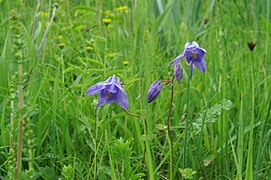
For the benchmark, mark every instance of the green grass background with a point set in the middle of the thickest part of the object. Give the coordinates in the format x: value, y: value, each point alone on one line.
x: 220, y: 122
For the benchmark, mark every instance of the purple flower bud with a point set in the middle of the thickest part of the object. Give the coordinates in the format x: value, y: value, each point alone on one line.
x: 178, y: 72
x: 154, y: 90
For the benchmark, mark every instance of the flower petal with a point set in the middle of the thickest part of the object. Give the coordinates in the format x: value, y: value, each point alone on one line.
x: 102, y: 99
x: 177, y: 59
x: 203, y: 50
x: 112, y: 88
x: 187, y: 45
x: 96, y: 88
x: 110, y: 79
x: 195, y: 44
x: 120, y: 88
x: 106, y: 98
x: 122, y: 100
x: 201, y: 65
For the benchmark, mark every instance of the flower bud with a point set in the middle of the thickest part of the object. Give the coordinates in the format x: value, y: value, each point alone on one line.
x: 251, y: 45
x: 178, y: 72
x: 106, y: 21
x: 154, y: 90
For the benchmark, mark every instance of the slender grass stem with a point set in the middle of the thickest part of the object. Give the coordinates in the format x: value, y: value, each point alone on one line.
x: 47, y: 30
x: 168, y: 132
x: 35, y: 19
x: 249, y: 166
x: 42, y: 43
x: 147, y: 153
x: 186, y: 125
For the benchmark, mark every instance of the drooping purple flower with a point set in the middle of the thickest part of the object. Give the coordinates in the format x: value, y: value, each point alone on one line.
x: 178, y: 72
x: 154, y: 90
x: 194, y: 57
x: 110, y: 91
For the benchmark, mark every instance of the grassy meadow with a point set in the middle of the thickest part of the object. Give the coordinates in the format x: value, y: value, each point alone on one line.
x: 219, y: 125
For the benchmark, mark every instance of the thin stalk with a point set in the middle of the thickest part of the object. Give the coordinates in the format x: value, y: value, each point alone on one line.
x: 249, y: 166
x: 42, y: 43
x: 11, y: 120
x: 168, y: 132
x: 130, y: 114
x: 240, y: 146
x: 147, y: 153
x: 35, y: 19
x: 47, y: 30
x: 96, y: 145
x: 20, y: 111
x: 186, y: 125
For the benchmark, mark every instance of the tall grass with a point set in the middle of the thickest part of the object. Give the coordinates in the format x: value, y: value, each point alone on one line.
x: 220, y: 121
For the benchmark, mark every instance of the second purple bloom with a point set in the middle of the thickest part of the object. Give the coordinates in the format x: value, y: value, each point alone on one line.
x: 194, y: 56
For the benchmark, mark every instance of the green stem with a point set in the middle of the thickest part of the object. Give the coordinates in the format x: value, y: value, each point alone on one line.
x: 186, y: 126
x: 36, y: 18
x: 147, y: 153
x: 20, y: 109
x: 47, y: 30
x: 41, y: 44
x: 249, y: 166
x: 12, y: 109
x: 130, y: 114
x: 168, y: 132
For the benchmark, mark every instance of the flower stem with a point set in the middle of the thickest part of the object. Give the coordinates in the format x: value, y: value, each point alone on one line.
x: 130, y: 114
x: 147, y: 153
x: 168, y: 132
x: 47, y: 30
x: 42, y: 42
x: 12, y: 110
x: 187, y: 125
x: 20, y: 110
x: 36, y: 18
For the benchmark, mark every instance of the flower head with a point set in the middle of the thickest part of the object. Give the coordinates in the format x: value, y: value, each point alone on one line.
x: 154, y: 90
x: 122, y: 9
x: 251, y: 45
x: 107, y: 21
x: 110, y: 91
x: 194, y: 57
x: 178, y: 72
x: 61, y: 45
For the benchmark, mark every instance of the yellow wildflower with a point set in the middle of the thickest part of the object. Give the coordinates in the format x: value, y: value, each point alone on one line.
x: 59, y: 37
x: 107, y: 21
x: 123, y: 9
x: 109, y: 13
x: 125, y: 63
x: 43, y: 14
x: 89, y: 48
x: 61, y: 45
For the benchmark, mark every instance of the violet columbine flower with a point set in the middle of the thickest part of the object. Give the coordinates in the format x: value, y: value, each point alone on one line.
x: 178, y: 72
x: 194, y: 56
x: 154, y: 90
x: 110, y: 91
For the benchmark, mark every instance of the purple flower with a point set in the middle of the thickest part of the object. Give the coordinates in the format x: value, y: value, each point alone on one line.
x: 178, y: 72
x: 110, y: 91
x: 194, y: 56
x: 154, y: 90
